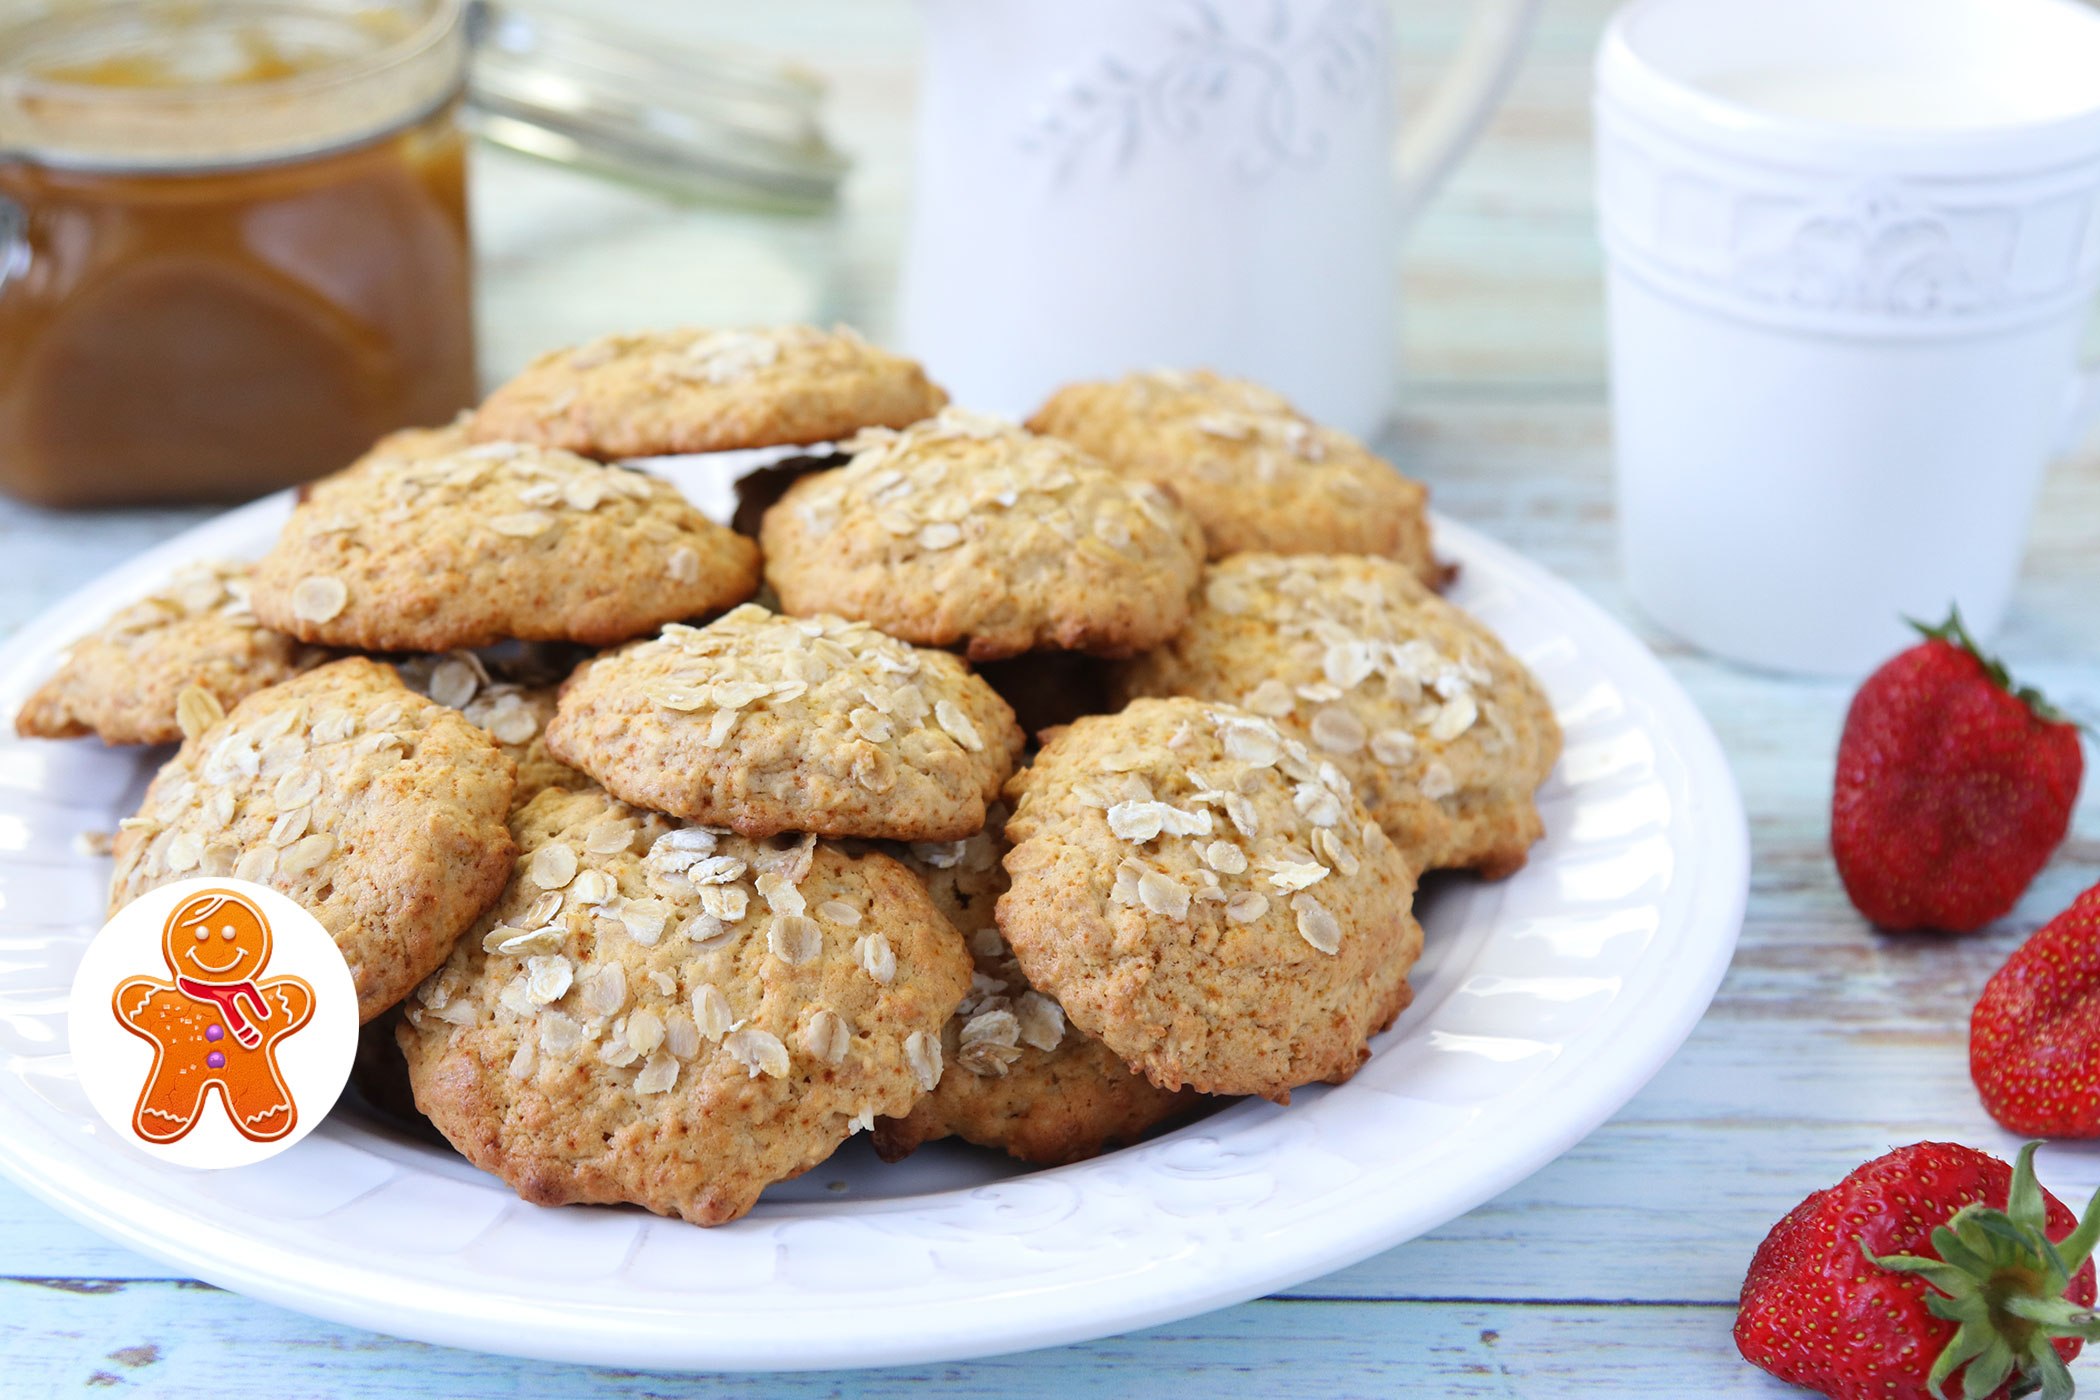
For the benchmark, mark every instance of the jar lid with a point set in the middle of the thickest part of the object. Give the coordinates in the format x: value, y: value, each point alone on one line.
x: 712, y: 123
x: 173, y: 85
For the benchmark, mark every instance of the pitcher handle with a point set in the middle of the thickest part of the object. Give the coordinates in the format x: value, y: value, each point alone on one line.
x: 1435, y: 138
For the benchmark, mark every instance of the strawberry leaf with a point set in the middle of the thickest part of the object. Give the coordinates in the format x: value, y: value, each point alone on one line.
x: 2048, y: 1368
x: 1989, y: 1370
x: 1966, y: 1343
x: 2077, y: 1247
x: 2023, y: 1201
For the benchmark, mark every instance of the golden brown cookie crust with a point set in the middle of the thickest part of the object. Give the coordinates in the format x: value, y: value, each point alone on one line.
x: 765, y: 723
x: 966, y: 531
x: 1258, y: 474
x: 379, y: 811
x: 696, y: 390
x: 1204, y: 895
x: 427, y: 544
x: 675, y: 1017
x: 1444, y: 734
x: 122, y: 682
x: 1018, y: 1077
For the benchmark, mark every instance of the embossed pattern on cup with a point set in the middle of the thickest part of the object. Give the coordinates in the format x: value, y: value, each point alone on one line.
x: 1819, y: 249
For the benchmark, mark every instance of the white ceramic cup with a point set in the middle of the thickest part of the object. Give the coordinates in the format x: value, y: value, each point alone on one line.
x: 1852, y: 252
x: 1108, y: 185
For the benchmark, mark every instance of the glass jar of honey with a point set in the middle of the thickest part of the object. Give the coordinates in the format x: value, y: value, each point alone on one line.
x: 233, y: 242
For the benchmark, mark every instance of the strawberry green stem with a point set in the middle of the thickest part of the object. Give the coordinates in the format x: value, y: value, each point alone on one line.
x: 1956, y: 634
x: 2001, y: 1281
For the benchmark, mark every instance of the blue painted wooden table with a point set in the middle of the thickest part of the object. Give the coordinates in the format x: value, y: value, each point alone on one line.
x: 1612, y: 1272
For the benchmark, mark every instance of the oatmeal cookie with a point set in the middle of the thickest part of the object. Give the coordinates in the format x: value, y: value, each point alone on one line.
x: 426, y: 545
x: 1444, y: 734
x: 379, y: 811
x: 678, y: 1017
x: 1200, y: 891
x: 126, y: 681
x: 514, y: 714
x: 1256, y: 472
x: 966, y: 531
x: 765, y: 723
x: 1017, y: 1077
x: 707, y: 391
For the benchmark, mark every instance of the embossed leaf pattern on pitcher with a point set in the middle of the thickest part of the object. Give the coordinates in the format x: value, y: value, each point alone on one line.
x: 1247, y: 78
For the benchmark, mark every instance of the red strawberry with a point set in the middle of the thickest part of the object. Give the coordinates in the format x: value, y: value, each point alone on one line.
x: 1933, y: 1260
x: 2034, y: 1038
x: 1952, y: 787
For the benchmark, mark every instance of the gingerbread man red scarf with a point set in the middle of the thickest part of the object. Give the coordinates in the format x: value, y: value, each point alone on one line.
x: 226, y: 995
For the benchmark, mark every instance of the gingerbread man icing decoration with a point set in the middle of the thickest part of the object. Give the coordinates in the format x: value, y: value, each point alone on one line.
x: 217, y: 1024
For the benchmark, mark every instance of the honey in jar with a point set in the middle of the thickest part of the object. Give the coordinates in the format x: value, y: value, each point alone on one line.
x: 233, y: 244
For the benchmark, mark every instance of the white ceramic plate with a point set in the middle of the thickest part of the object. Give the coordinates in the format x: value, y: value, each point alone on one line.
x: 1542, y: 1004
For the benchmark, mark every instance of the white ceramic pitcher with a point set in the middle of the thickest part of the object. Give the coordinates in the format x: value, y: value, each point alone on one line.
x: 1107, y: 185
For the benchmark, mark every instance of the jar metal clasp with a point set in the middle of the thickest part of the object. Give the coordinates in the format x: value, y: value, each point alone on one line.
x: 14, y: 241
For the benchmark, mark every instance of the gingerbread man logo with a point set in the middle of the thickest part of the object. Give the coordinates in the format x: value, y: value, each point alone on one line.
x: 217, y: 1024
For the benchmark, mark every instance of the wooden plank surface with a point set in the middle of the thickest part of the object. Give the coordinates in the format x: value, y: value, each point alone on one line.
x: 191, y: 1340
x: 1612, y: 1272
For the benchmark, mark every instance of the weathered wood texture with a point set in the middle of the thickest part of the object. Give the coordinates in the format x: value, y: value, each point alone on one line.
x: 210, y: 1342
x: 1610, y: 1273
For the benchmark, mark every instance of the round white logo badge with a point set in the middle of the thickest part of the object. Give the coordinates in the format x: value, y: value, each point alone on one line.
x: 213, y: 1023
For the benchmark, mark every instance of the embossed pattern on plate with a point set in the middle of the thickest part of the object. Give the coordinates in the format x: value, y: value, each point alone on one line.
x: 1542, y: 1004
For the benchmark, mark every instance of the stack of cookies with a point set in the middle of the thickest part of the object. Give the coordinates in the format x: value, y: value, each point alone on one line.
x: 670, y: 858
